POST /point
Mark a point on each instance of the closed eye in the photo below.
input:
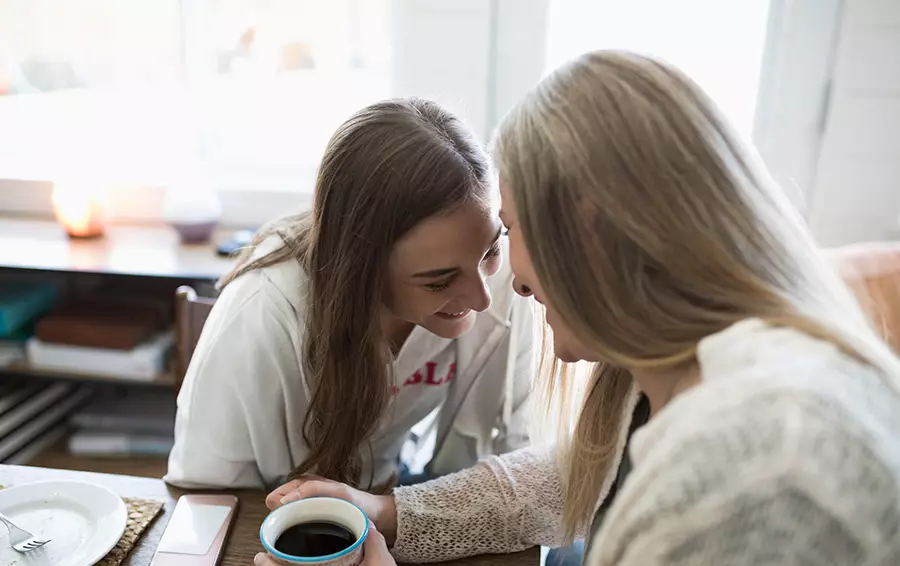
(444, 285)
(495, 249)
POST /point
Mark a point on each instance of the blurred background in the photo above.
(143, 141)
(144, 96)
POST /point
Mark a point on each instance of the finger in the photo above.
(375, 549)
(273, 500)
(261, 559)
(317, 488)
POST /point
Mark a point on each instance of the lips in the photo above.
(452, 315)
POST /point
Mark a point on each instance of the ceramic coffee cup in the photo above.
(316, 509)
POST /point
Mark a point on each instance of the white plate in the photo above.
(84, 522)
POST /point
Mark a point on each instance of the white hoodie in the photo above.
(244, 399)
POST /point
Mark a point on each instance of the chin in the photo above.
(451, 329)
(567, 357)
(565, 354)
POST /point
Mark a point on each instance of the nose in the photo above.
(522, 288)
(480, 298)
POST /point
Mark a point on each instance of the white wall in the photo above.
(857, 179)
(440, 52)
(792, 97)
(476, 57)
(719, 44)
(519, 53)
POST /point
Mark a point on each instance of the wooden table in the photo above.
(244, 542)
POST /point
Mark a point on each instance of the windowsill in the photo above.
(259, 140)
(148, 250)
(241, 206)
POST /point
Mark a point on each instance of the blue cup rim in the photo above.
(312, 559)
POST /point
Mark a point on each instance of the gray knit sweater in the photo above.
(787, 453)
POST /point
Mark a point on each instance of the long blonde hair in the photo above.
(651, 226)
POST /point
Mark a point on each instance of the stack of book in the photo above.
(12, 347)
(125, 338)
(122, 424)
(21, 304)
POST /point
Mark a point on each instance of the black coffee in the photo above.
(316, 538)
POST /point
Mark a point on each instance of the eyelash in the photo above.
(439, 286)
(491, 254)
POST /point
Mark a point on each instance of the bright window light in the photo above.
(718, 43)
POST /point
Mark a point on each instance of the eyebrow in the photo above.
(436, 272)
(441, 271)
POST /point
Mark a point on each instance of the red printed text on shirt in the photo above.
(427, 376)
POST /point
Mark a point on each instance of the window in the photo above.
(136, 92)
(141, 90)
(276, 77)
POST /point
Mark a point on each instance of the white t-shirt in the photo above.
(422, 373)
(236, 412)
(244, 399)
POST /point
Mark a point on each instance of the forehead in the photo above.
(451, 240)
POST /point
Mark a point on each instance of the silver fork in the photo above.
(20, 539)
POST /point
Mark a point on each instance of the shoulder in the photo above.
(786, 431)
(780, 392)
(279, 289)
(256, 322)
(727, 487)
(782, 444)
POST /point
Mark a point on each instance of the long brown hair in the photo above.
(651, 225)
(386, 169)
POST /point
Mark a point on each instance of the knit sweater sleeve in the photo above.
(503, 504)
(777, 479)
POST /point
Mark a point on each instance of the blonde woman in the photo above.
(665, 254)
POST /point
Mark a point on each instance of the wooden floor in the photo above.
(59, 458)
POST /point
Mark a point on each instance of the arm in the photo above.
(515, 434)
(231, 426)
(503, 504)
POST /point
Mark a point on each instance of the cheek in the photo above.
(416, 306)
(423, 303)
(519, 261)
(407, 303)
(522, 268)
(567, 345)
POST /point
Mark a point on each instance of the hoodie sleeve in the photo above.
(231, 424)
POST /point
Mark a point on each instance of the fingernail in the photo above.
(258, 558)
(293, 496)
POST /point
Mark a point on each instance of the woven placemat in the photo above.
(141, 513)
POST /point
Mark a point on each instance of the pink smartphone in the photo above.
(197, 532)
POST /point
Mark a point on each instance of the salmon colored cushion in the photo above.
(872, 271)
